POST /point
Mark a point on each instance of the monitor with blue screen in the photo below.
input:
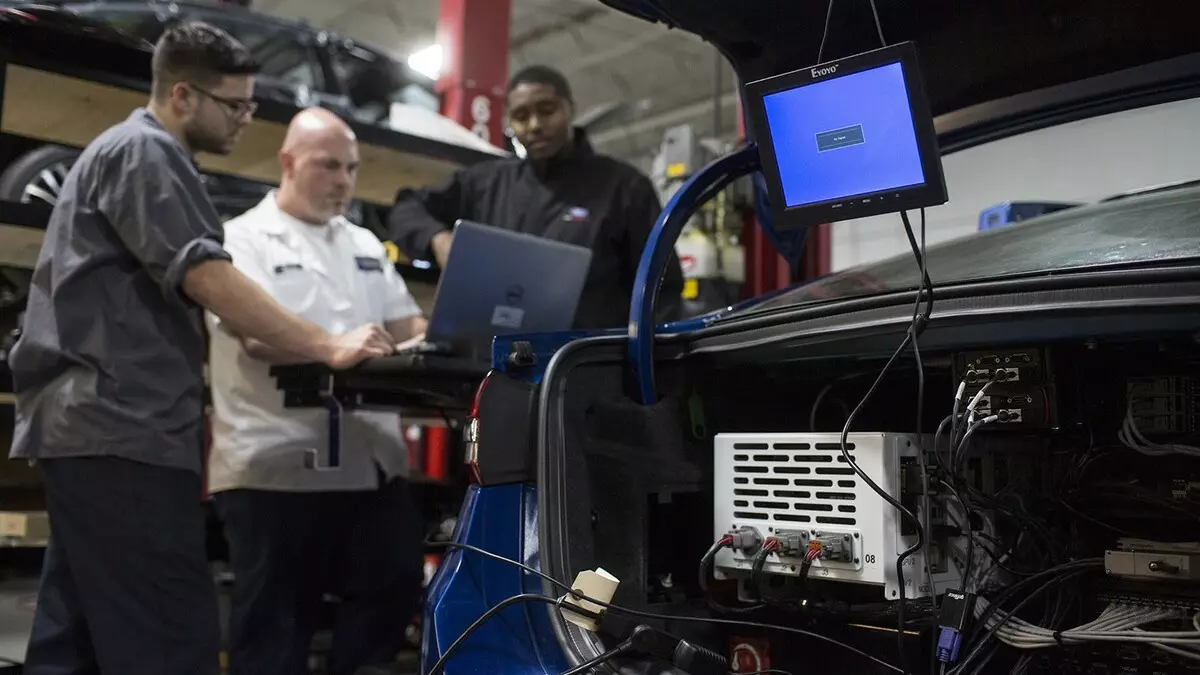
(846, 139)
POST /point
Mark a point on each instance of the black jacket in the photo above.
(579, 197)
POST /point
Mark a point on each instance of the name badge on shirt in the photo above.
(368, 264)
(286, 267)
(576, 214)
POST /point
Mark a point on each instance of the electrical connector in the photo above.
(954, 617)
(948, 644)
(597, 585)
(745, 539)
(791, 542)
(643, 640)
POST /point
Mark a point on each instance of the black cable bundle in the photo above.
(706, 563)
(924, 290)
(697, 653)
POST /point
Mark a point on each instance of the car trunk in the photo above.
(629, 487)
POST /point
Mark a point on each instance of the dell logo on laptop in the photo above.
(821, 72)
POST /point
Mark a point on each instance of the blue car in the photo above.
(1023, 400)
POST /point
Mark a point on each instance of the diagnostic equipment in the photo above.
(846, 139)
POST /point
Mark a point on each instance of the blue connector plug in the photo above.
(958, 608)
(947, 646)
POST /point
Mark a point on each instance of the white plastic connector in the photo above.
(975, 401)
(597, 585)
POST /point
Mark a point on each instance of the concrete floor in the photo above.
(17, 598)
(17, 601)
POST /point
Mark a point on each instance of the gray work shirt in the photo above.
(111, 355)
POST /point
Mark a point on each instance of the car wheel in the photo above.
(14, 290)
(10, 330)
(37, 176)
(14, 287)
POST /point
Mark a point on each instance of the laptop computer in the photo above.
(498, 282)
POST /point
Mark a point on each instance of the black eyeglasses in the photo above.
(236, 107)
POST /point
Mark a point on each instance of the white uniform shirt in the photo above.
(339, 277)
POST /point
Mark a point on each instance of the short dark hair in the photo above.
(198, 52)
(542, 75)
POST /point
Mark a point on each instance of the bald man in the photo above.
(297, 534)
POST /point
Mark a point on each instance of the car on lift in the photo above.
(301, 66)
(596, 450)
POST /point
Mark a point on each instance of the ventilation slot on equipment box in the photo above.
(800, 458)
(785, 484)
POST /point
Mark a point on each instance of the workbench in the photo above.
(419, 386)
(427, 390)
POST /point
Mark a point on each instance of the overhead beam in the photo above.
(618, 50)
(600, 113)
(569, 22)
(664, 119)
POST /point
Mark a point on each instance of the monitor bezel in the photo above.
(931, 193)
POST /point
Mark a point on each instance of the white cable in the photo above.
(1117, 623)
(958, 397)
(975, 401)
(1176, 651)
(1132, 438)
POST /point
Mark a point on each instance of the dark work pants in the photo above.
(126, 588)
(288, 549)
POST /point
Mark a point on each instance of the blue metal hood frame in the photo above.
(701, 187)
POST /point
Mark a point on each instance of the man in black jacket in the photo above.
(562, 190)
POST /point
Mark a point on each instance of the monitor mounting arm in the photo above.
(701, 187)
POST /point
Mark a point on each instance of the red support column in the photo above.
(766, 270)
(473, 35)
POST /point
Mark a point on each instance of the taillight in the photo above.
(471, 434)
(18, 13)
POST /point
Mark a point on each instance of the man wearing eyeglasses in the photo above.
(108, 372)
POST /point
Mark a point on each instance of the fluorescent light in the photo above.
(427, 61)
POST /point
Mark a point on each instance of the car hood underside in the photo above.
(970, 52)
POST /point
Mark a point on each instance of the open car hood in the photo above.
(990, 70)
(970, 53)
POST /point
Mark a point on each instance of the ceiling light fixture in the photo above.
(427, 61)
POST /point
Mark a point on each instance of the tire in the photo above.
(28, 169)
(14, 291)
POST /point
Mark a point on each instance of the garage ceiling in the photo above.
(652, 77)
